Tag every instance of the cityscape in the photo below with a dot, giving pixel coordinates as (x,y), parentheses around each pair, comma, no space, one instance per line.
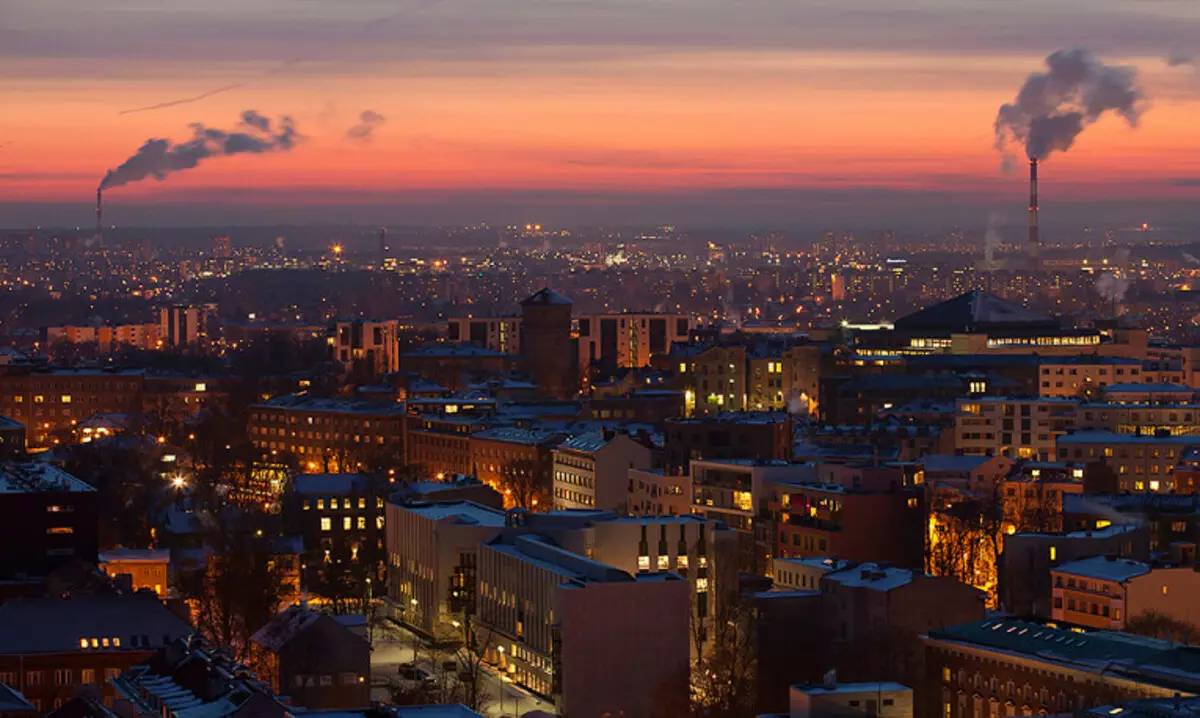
(572,359)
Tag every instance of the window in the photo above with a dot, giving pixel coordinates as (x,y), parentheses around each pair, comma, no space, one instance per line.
(643,563)
(349,679)
(327,680)
(362,522)
(65,399)
(346,523)
(320,503)
(33,678)
(325,523)
(62,676)
(664,563)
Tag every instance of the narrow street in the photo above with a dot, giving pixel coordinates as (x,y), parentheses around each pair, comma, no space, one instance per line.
(394,647)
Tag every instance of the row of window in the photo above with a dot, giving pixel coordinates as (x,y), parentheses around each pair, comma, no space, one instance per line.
(348,524)
(62,676)
(345,503)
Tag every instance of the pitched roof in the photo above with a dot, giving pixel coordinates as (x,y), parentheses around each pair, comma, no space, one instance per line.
(1104,568)
(55,625)
(13,702)
(288,624)
(975,311)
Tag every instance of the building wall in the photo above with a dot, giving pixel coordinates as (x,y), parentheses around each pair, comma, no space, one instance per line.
(329,441)
(1140,464)
(845,703)
(1171,592)
(1013,428)
(437,448)
(326,667)
(600,479)
(547,349)
(655,493)
(1175,419)
(624,647)
(628,340)
(372,344)
(730,436)
(146,574)
(49,680)
(500,334)
(41,531)
(1076,379)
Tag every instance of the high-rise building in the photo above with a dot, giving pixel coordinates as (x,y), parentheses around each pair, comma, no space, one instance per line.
(547,349)
(369,343)
(183,325)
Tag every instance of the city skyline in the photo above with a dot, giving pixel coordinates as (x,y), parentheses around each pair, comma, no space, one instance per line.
(716,114)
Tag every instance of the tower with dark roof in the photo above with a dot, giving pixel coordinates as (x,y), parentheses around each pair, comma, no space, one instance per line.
(547,350)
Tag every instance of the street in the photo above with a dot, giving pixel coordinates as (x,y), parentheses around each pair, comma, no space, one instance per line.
(394,646)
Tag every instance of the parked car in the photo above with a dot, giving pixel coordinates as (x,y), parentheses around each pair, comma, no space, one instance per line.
(410,672)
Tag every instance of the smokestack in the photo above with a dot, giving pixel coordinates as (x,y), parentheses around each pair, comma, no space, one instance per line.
(1033,246)
(99,216)
(383,247)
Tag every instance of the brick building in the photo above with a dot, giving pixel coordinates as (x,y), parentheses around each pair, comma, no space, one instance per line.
(47,518)
(330,435)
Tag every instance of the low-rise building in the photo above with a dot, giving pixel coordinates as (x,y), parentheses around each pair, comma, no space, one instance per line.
(759,436)
(1135,463)
(848,700)
(591,471)
(340,512)
(1016,427)
(1005,666)
(50,648)
(657,493)
(47,518)
(599,640)
(1109,591)
(314,660)
(146,568)
(519,463)
(367,345)
(330,435)
(1028,558)
(432,551)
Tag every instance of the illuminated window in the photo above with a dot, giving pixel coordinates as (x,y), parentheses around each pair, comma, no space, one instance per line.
(362,503)
(682,367)
(60,530)
(743,501)
(1053,553)
(65,399)
(701,585)
(362,522)
(643,563)
(39,399)
(83,643)
(378,522)
(702,561)
(345,523)
(320,503)
(1154,486)
(681,562)
(201,386)
(326,523)
(307,505)
(664,563)
(1103,523)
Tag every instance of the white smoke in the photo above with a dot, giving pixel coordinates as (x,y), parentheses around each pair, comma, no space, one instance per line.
(992,238)
(798,403)
(1191,258)
(1112,288)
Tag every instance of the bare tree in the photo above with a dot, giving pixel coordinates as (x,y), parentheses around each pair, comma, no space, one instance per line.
(1160,625)
(723,679)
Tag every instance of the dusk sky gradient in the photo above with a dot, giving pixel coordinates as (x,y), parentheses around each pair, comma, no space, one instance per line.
(727,112)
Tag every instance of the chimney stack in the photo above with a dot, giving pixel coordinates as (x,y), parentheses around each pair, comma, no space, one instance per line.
(99,216)
(1033,246)
(383,247)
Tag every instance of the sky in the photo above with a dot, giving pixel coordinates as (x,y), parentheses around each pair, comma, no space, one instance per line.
(705,112)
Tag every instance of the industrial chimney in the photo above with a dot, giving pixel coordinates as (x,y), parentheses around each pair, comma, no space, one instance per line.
(99,217)
(1033,246)
(383,247)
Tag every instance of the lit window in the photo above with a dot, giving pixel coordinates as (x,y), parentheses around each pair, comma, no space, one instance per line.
(362,522)
(362,503)
(664,563)
(643,563)
(701,585)
(39,399)
(1053,553)
(83,643)
(65,399)
(320,503)
(60,530)
(379,522)
(345,523)
(307,505)
(682,562)
(201,386)
(326,523)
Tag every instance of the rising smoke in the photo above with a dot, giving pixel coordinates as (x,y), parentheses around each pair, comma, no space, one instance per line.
(1055,106)
(367,122)
(992,238)
(158,158)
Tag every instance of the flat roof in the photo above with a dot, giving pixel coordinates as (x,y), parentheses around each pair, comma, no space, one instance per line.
(1104,568)
(464,512)
(878,687)
(1110,437)
(149,555)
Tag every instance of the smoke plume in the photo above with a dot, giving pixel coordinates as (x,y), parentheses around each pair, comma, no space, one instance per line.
(367,122)
(1112,288)
(1053,107)
(992,238)
(158,158)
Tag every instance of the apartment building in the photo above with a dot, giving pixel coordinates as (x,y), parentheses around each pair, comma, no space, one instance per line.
(591,471)
(367,344)
(1136,463)
(330,435)
(760,436)
(657,493)
(627,341)
(1108,591)
(597,640)
(1019,428)
(1087,375)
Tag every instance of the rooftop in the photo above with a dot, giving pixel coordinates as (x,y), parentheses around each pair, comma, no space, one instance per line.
(879,687)
(1105,568)
(949,462)
(13,702)
(1108,652)
(459,512)
(331,483)
(148,555)
(135,622)
(735,417)
(972,312)
(306,402)
(35,477)
(546,296)
(1148,387)
(453,350)
(513,435)
(1109,437)
(873,576)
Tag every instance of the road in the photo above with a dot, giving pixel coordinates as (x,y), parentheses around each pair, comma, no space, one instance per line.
(394,646)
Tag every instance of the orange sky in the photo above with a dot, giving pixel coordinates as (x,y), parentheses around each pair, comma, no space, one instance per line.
(669,122)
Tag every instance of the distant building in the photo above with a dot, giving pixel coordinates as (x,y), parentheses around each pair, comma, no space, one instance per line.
(456,366)
(519,463)
(147,337)
(1135,463)
(146,568)
(548,352)
(342,512)
(47,518)
(222,247)
(314,660)
(12,439)
(184,325)
(50,648)
(1108,591)
(1018,428)
(499,334)
(369,345)
(657,493)
(625,341)
(591,471)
